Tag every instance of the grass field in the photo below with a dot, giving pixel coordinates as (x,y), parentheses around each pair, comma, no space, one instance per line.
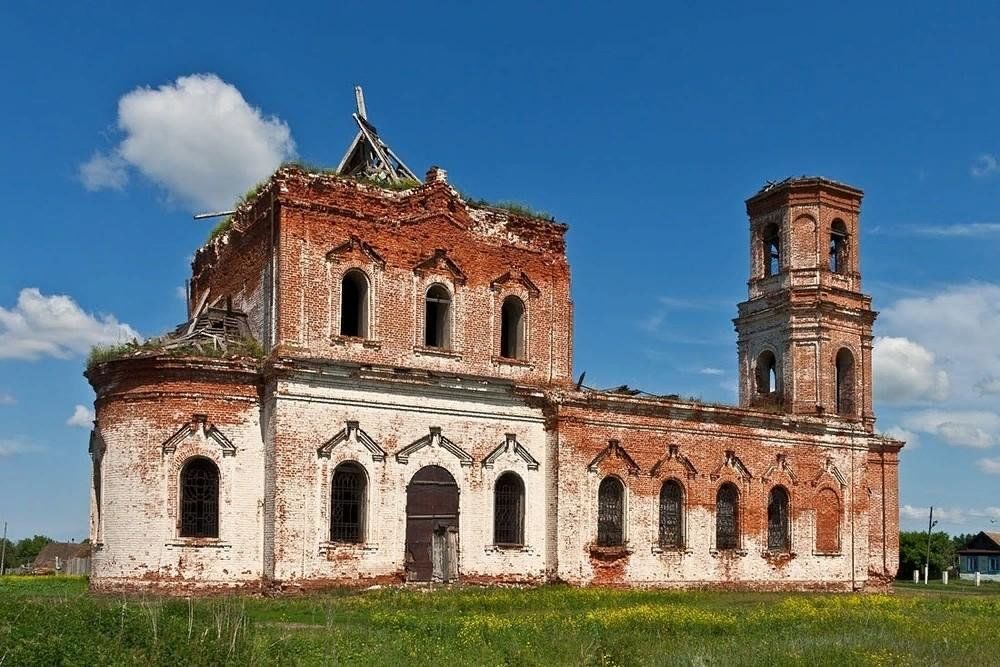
(50,621)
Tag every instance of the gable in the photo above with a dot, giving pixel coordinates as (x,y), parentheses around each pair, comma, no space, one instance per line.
(434,439)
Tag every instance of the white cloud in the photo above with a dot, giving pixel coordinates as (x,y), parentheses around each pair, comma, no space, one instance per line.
(989,385)
(82,416)
(952,515)
(7,399)
(963,428)
(904,372)
(708,370)
(55,326)
(13,448)
(985,165)
(198,138)
(961,230)
(911,439)
(102,172)
(989,466)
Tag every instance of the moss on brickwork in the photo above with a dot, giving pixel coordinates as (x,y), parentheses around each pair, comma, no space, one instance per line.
(243,349)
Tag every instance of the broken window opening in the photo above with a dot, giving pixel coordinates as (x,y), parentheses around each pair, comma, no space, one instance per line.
(845,383)
(508,510)
(347,503)
(772,250)
(671,515)
(611,513)
(354,304)
(199,499)
(828,522)
(437,318)
(512,328)
(767,373)
(838,247)
(777,520)
(97,488)
(727,517)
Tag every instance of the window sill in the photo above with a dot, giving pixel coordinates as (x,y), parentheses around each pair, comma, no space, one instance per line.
(507,361)
(728,552)
(679,551)
(423,351)
(828,554)
(326,547)
(199,543)
(610,553)
(366,343)
(507,548)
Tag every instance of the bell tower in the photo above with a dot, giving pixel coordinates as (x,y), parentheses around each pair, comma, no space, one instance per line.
(805,333)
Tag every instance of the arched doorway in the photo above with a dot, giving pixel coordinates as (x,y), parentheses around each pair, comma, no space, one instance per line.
(432,526)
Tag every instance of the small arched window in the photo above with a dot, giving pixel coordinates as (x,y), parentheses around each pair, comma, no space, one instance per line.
(767,373)
(771,240)
(354,304)
(727,517)
(512,328)
(778,540)
(671,515)
(838,246)
(508,510)
(347,503)
(845,383)
(611,513)
(437,318)
(827,521)
(199,499)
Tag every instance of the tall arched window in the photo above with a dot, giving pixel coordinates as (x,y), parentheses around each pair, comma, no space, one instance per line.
(347,503)
(838,246)
(512,328)
(767,373)
(611,513)
(727,517)
(778,539)
(437,318)
(508,510)
(199,499)
(845,383)
(671,515)
(827,521)
(354,304)
(771,239)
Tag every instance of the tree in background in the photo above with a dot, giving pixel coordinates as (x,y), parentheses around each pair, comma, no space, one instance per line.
(913,553)
(962,540)
(28,548)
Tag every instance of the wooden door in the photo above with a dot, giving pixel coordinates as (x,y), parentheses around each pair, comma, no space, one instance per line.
(432,526)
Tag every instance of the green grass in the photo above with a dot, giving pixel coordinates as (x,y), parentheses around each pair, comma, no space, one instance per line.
(246,348)
(50,621)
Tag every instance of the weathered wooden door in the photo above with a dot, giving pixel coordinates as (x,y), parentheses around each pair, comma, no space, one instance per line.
(432,526)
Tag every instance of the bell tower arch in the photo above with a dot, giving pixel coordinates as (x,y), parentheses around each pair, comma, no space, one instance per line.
(805,332)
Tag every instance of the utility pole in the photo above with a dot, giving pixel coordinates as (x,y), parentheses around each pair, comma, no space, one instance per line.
(3,550)
(927,563)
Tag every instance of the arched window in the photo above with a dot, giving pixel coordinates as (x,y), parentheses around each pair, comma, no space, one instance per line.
(437,318)
(199,499)
(845,383)
(838,246)
(777,520)
(512,328)
(354,304)
(347,503)
(611,513)
(771,240)
(827,521)
(767,373)
(727,517)
(508,510)
(671,515)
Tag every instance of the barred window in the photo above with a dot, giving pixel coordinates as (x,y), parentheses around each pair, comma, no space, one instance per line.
(727,517)
(347,503)
(199,499)
(777,520)
(508,510)
(611,513)
(671,515)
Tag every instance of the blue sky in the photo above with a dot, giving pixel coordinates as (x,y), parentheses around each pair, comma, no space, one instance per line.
(642,126)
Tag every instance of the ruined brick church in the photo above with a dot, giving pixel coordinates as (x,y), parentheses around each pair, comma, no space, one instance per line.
(375,385)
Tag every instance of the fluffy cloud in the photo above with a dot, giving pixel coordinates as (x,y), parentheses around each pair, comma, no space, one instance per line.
(964,428)
(989,466)
(82,416)
(54,326)
(911,439)
(951,515)
(985,165)
(13,448)
(989,385)
(708,370)
(904,372)
(198,138)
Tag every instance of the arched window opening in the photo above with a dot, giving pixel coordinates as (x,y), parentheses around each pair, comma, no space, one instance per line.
(512,328)
(508,510)
(437,318)
(777,520)
(727,517)
(772,250)
(611,513)
(354,304)
(199,499)
(767,373)
(845,382)
(827,521)
(671,515)
(347,503)
(96,461)
(838,247)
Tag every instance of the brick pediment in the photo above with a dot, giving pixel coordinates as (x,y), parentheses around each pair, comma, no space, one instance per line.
(674,459)
(434,439)
(355,246)
(515,277)
(351,433)
(199,425)
(439,261)
(830,471)
(614,450)
(780,466)
(510,444)
(732,465)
